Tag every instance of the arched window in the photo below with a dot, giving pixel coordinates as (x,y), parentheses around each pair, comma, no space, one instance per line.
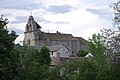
(30,27)
(27,28)
(28,42)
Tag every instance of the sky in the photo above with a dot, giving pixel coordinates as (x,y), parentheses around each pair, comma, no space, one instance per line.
(81,18)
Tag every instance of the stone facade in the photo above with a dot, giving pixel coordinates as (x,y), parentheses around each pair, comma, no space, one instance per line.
(35,37)
(61,49)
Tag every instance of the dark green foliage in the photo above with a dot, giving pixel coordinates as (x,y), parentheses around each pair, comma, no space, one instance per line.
(82,53)
(96,45)
(45,55)
(85,69)
(54,73)
(88,69)
(115,70)
(97,49)
(6,45)
(6,38)
(28,63)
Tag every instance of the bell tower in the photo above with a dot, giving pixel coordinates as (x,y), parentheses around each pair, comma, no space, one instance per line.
(32,32)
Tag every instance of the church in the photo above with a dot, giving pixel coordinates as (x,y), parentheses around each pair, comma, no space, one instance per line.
(37,38)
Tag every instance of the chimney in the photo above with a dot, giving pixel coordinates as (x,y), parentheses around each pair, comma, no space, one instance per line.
(57,32)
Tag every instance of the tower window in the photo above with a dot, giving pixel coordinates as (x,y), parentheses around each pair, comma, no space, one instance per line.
(28,42)
(27,27)
(30,27)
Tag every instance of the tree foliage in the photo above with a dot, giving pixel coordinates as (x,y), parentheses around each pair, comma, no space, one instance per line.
(97,48)
(85,69)
(96,44)
(6,45)
(21,62)
(82,53)
(45,55)
(29,64)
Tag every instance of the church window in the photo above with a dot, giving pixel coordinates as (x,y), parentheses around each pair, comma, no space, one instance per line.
(27,28)
(30,27)
(28,42)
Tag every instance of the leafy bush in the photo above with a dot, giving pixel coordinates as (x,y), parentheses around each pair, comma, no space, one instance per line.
(82,53)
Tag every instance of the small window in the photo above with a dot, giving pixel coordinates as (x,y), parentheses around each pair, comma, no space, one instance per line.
(52,52)
(27,28)
(30,27)
(28,42)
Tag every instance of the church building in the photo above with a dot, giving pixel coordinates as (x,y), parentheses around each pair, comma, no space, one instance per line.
(35,37)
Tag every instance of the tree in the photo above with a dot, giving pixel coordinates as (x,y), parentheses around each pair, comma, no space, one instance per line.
(82,53)
(112,36)
(96,47)
(6,46)
(45,55)
(54,73)
(28,64)
(112,42)
(84,69)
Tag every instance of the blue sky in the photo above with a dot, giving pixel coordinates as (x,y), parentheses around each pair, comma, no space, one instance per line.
(78,17)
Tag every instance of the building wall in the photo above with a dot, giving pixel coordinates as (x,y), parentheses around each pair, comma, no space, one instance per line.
(29,38)
(37,40)
(72,45)
(64,52)
(34,37)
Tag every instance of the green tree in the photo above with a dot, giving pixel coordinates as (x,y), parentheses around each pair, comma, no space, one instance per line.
(6,46)
(84,69)
(28,63)
(82,53)
(54,73)
(96,47)
(45,55)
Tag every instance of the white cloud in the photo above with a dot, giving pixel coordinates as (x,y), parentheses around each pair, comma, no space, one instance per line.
(77,21)
(81,23)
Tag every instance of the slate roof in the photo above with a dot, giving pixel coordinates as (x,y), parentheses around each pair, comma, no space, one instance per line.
(82,41)
(54,47)
(38,26)
(59,36)
(32,19)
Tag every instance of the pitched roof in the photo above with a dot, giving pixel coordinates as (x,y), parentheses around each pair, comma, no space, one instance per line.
(31,19)
(54,47)
(59,36)
(38,26)
(83,41)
